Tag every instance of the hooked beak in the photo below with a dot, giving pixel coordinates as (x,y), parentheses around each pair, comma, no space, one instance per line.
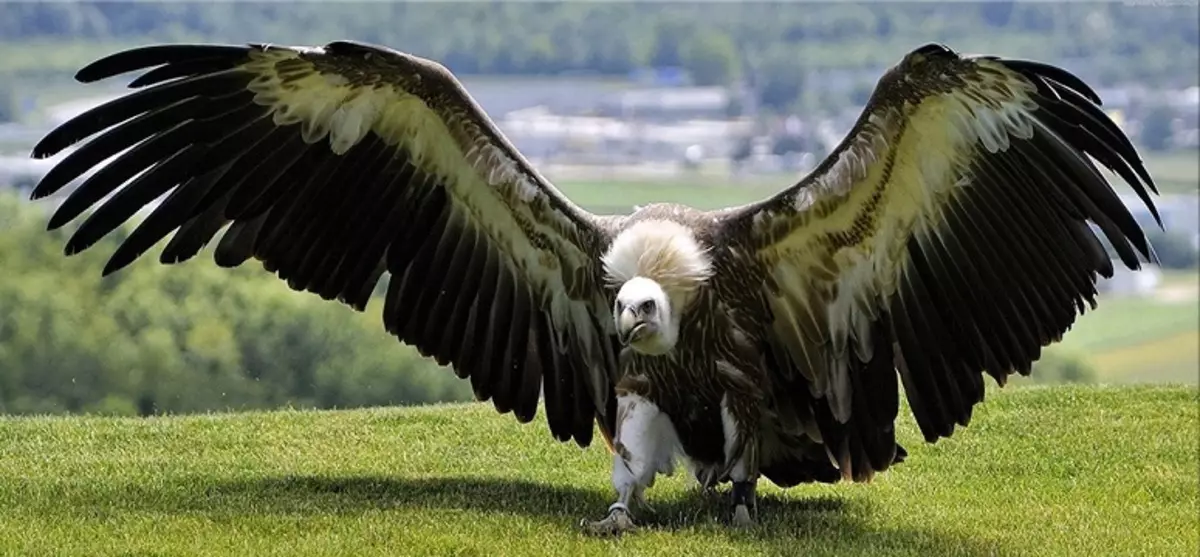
(630,327)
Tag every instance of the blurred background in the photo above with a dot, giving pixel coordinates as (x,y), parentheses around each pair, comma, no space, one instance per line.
(619,104)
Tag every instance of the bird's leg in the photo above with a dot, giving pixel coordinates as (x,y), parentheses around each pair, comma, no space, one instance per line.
(742,446)
(619,519)
(745,506)
(641,445)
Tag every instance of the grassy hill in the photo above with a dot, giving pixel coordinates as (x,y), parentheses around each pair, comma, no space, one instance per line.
(1062,471)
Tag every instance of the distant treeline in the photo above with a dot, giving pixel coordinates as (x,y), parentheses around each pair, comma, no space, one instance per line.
(776,45)
(186,338)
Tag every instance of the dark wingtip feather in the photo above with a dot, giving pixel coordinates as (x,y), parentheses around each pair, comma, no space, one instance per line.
(1072,105)
(142,57)
(1105,126)
(59,218)
(51,144)
(72,247)
(113,265)
(1054,73)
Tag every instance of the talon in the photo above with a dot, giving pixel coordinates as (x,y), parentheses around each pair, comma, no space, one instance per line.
(741,517)
(616,523)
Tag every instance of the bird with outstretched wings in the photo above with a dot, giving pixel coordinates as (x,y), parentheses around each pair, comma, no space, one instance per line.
(949,235)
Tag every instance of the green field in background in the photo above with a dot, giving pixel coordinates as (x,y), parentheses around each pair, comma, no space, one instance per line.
(1140,340)
(704,192)
(1177,172)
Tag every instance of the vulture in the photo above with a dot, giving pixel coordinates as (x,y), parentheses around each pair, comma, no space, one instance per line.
(953,232)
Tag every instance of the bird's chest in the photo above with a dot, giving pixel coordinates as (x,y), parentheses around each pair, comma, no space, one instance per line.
(683,385)
(689,388)
(714,357)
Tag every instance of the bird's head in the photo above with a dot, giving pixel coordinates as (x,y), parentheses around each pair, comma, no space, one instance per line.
(658,268)
(645,318)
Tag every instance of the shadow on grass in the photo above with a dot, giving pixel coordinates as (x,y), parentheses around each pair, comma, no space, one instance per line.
(785,523)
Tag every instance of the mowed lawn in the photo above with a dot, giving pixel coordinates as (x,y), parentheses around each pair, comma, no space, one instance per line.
(1041,471)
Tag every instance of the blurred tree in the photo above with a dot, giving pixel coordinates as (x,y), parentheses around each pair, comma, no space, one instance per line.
(1175,250)
(186,338)
(48,41)
(711,58)
(781,83)
(1157,129)
(669,38)
(1059,365)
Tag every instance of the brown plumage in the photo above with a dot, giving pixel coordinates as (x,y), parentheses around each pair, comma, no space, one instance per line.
(947,236)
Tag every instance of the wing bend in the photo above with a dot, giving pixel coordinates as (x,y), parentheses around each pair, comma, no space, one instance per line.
(332,165)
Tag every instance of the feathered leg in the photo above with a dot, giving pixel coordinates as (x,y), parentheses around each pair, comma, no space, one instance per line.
(644,445)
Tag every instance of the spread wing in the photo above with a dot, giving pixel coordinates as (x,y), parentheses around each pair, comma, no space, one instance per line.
(946,236)
(332,165)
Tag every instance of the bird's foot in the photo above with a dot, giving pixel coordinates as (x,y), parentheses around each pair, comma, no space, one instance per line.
(616,523)
(743,501)
(741,517)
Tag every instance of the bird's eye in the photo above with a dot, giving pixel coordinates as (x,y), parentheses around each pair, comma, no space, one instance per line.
(646,307)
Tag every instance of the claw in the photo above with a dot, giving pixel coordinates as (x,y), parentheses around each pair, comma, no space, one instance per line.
(616,523)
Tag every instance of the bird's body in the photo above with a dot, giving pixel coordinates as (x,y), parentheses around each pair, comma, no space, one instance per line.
(691,386)
(724,363)
(947,236)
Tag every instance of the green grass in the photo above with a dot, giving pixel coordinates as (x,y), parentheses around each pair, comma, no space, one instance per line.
(1061,471)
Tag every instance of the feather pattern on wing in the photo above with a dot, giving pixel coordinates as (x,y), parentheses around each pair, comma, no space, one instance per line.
(947,234)
(333,165)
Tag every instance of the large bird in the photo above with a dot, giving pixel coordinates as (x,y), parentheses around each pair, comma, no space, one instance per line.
(948,235)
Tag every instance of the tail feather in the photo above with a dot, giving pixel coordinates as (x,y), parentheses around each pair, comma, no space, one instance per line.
(807,462)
